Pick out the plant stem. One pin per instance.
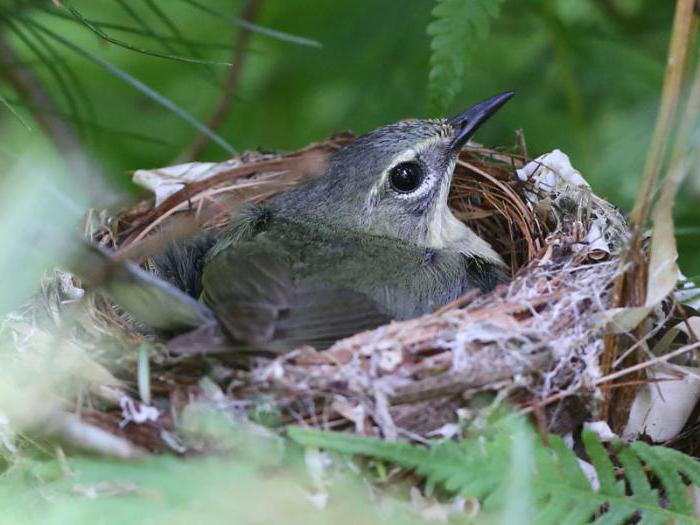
(631, 286)
(684, 24)
(218, 116)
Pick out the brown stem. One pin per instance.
(684, 23)
(200, 142)
(630, 287)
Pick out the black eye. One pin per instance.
(406, 177)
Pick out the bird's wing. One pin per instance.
(251, 289)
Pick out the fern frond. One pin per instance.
(669, 476)
(457, 27)
(557, 490)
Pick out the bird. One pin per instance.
(369, 241)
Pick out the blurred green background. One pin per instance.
(587, 74)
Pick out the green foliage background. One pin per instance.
(587, 74)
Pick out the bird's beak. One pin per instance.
(465, 124)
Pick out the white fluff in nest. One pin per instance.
(551, 172)
(163, 182)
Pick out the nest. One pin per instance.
(533, 343)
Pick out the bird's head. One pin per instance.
(394, 181)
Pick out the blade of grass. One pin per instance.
(130, 47)
(254, 28)
(210, 75)
(631, 286)
(135, 31)
(139, 86)
(171, 26)
(683, 24)
(12, 110)
(663, 253)
(72, 81)
(55, 73)
(100, 128)
(688, 230)
(30, 87)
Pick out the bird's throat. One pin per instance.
(445, 231)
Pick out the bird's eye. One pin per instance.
(406, 177)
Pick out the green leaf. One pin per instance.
(668, 475)
(603, 466)
(400, 453)
(634, 472)
(457, 29)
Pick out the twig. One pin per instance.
(200, 142)
(647, 364)
(572, 391)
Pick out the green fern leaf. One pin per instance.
(603, 466)
(557, 490)
(458, 26)
(568, 464)
(668, 475)
(400, 453)
(691, 469)
(639, 483)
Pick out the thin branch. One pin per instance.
(218, 116)
(646, 364)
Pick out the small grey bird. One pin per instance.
(370, 240)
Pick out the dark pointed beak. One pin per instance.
(465, 124)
